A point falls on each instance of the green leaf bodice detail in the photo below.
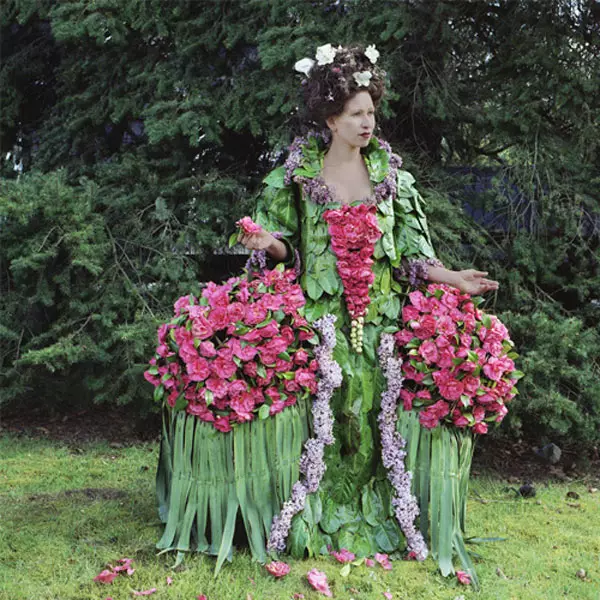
(292, 203)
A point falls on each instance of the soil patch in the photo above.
(97, 423)
(513, 461)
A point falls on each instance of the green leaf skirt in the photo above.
(206, 478)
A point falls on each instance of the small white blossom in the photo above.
(325, 54)
(304, 65)
(371, 53)
(362, 78)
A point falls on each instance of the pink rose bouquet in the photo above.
(458, 361)
(240, 350)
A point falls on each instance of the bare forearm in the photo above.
(277, 250)
(443, 275)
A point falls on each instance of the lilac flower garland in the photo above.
(392, 453)
(312, 465)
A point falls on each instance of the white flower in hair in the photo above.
(371, 53)
(362, 78)
(325, 54)
(304, 65)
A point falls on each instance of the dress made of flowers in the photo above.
(353, 508)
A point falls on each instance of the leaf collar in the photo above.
(305, 163)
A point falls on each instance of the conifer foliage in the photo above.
(134, 134)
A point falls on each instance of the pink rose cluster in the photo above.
(458, 361)
(354, 231)
(242, 349)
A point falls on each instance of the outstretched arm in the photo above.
(468, 281)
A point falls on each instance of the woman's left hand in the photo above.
(474, 282)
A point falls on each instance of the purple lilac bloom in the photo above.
(392, 449)
(417, 270)
(257, 260)
(312, 465)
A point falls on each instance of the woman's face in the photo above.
(356, 123)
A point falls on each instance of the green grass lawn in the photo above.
(65, 513)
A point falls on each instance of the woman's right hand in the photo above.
(256, 241)
(263, 240)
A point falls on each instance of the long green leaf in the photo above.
(435, 482)
(446, 525)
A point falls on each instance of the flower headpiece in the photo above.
(325, 55)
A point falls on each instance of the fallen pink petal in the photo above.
(278, 569)
(318, 580)
(387, 595)
(384, 561)
(369, 562)
(145, 592)
(298, 596)
(463, 577)
(343, 555)
(169, 580)
(201, 597)
(105, 576)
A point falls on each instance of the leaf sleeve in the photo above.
(411, 233)
(277, 213)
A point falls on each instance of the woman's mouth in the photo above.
(366, 135)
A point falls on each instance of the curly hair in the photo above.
(329, 87)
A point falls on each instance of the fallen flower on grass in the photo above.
(463, 577)
(297, 596)
(318, 580)
(369, 562)
(169, 580)
(201, 597)
(278, 569)
(343, 555)
(124, 566)
(387, 595)
(145, 592)
(106, 576)
(384, 561)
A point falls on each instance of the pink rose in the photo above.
(452, 389)
(343, 555)
(318, 580)
(269, 330)
(301, 357)
(480, 428)
(222, 367)
(278, 569)
(429, 419)
(410, 313)
(429, 351)
(407, 399)
(106, 576)
(425, 327)
(207, 349)
(404, 336)
(419, 301)
(248, 226)
(384, 561)
(458, 419)
(463, 577)
(446, 326)
(201, 328)
(494, 368)
(222, 424)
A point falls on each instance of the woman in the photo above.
(328, 176)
